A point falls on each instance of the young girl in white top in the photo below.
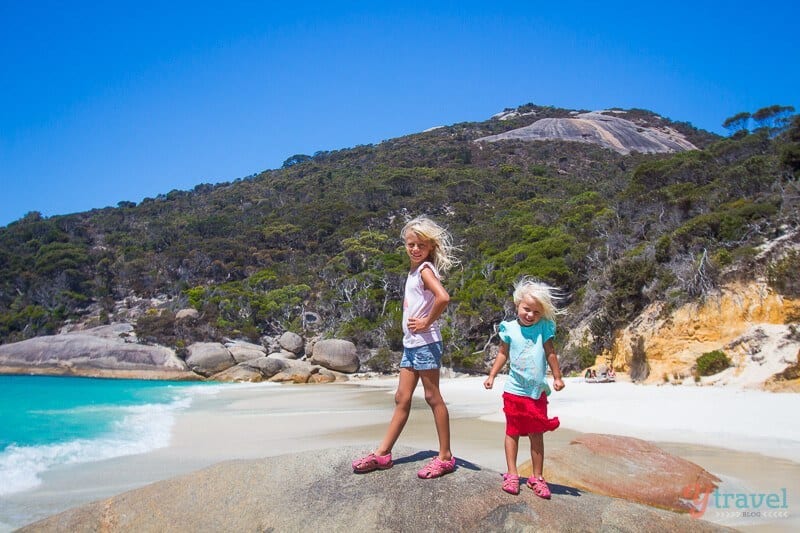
(528, 343)
(431, 253)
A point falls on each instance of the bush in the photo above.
(782, 274)
(465, 360)
(384, 360)
(712, 362)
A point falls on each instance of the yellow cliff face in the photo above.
(673, 343)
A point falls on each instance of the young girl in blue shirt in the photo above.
(527, 342)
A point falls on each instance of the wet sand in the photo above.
(252, 421)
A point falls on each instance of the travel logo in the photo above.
(736, 504)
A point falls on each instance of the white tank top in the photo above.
(418, 302)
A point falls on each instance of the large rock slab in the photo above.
(318, 491)
(99, 352)
(628, 468)
(336, 354)
(608, 131)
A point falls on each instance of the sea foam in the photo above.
(140, 429)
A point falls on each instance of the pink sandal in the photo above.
(372, 462)
(539, 487)
(437, 468)
(511, 483)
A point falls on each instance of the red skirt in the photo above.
(524, 415)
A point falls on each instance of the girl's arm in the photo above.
(499, 362)
(552, 360)
(441, 298)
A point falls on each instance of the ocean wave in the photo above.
(213, 389)
(140, 429)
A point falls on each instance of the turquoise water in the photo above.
(46, 422)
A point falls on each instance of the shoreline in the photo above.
(256, 420)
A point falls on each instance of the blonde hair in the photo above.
(443, 250)
(541, 292)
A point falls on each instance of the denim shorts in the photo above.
(426, 357)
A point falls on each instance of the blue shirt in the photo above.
(527, 359)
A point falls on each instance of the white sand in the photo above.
(713, 426)
(725, 417)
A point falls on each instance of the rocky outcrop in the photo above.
(99, 352)
(627, 468)
(336, 354)
(208, 358)
(606, 130)
(113, 351)
(747, 322)
(318, 491)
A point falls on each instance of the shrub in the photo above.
(712, 362)
(782, 274)
(384, 360)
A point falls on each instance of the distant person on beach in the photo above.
(527, 343)
(431, 254)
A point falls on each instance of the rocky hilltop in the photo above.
(602, 128)
(318, 491)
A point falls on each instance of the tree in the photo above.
(295, 159)
(774, 118)
(737, 122)
(790, 154)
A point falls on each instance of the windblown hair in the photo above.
(541, 292)
(442, 249)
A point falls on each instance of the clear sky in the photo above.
(102, 102)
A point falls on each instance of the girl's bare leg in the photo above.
(402, 408)
(441, 416)
(537, 453)
(511, 445)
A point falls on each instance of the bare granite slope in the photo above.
(106, 351)
(615, 133)
(318, 491)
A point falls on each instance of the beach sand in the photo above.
(714, 427)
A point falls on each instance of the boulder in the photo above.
(323, 375)
(239, 373)
(187, 313)
(97, 352)
(627, 468)
(267, 366)
(245, 351)
(293, 371)
(317, 490)
(208, 358)
(291, 342)
(283, 354)
(336, 354)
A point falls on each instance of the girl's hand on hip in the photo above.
(417, 325)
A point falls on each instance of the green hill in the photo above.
(321, 235)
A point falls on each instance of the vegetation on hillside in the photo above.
(321, 234)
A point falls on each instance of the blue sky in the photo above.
(105, 102)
